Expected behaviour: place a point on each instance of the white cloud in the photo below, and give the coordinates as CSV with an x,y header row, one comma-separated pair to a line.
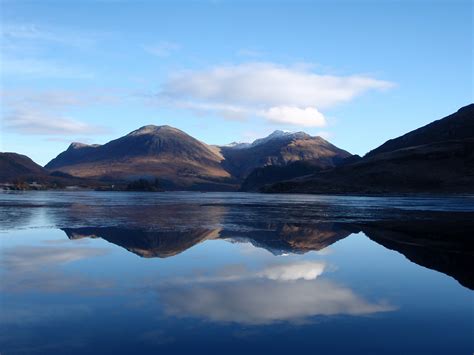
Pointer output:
x,y
263,301
308,116
162,49
304,270
292,95
307,270
277,293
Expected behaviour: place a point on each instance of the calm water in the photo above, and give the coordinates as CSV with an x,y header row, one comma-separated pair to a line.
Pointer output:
x,y
90,272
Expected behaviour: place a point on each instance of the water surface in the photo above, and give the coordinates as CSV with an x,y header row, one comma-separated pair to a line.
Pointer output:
x,y
90,272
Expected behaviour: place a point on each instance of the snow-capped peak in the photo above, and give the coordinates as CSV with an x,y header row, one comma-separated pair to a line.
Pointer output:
x,y
277,135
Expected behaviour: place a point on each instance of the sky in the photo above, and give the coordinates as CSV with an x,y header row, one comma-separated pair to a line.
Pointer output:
x,y
355,72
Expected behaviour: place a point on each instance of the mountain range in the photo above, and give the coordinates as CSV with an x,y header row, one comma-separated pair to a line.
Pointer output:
x,y
435,158
182,162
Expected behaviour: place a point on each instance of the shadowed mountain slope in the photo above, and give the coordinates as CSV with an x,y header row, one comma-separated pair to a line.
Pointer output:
x,y
280,149
457,126
15,166
437,158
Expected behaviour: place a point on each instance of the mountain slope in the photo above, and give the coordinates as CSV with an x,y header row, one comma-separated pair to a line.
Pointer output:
x,y
20,172
459,125
17,166
178,159
271,174
436,158
280,148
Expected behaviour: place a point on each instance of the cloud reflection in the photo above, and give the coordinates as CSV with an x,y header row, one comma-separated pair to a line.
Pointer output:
x,y
289,292
303,270
38,268
31,258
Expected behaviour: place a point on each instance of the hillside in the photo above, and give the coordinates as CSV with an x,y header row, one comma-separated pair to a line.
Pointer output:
x,y
179,160
17,166
437,158
280,149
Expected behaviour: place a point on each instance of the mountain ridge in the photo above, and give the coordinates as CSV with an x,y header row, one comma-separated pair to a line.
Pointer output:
x,y
182,161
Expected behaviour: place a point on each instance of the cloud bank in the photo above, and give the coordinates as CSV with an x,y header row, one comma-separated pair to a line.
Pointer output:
x,y
279,94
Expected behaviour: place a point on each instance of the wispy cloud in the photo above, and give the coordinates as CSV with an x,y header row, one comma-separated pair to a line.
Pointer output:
x,y
33,258
279,94
247,52
162,49
28,121
39,268
33,32
41,68
45,112
26,50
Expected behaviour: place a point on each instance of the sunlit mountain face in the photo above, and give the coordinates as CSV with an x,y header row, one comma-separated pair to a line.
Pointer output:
x,y
167,272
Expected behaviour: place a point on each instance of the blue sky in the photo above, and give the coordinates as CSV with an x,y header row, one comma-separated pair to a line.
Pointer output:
x,y
356,72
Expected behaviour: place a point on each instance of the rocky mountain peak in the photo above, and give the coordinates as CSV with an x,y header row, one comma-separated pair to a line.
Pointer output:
x,y
152,129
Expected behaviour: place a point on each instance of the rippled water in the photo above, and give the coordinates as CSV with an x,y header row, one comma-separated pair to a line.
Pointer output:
x,y
90,272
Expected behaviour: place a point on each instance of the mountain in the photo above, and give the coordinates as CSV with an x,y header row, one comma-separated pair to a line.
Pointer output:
x,y
279,149
19,172
179,160
16,166
436,158
457,126
182,162
261,178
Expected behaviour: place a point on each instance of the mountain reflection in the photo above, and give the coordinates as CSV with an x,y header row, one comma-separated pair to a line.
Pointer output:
x,y
146,243
442,244
280,239
289,237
